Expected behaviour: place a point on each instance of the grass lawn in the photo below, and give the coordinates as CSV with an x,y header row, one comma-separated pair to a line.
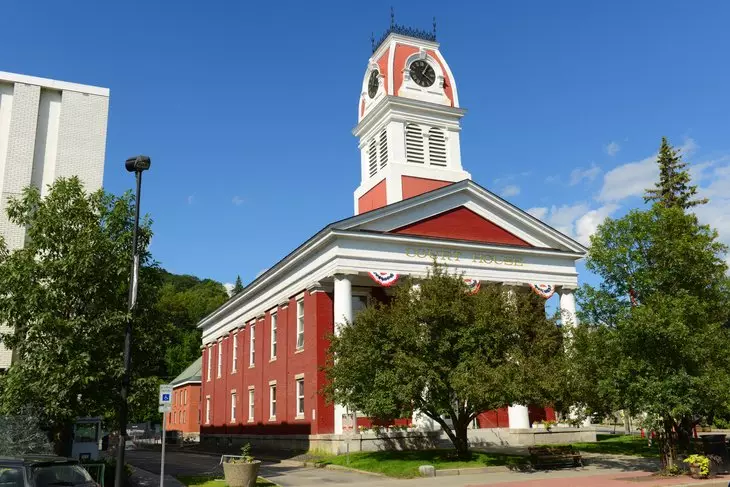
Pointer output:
x,y
620,445
404,464
202,481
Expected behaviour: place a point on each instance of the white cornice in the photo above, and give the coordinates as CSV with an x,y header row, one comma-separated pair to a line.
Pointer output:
x,y
53,84
402,104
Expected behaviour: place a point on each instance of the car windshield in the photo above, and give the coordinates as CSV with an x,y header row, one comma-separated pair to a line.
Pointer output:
x,y
59,475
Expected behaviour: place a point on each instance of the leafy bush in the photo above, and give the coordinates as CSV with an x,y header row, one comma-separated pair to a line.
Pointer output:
x,y
21,434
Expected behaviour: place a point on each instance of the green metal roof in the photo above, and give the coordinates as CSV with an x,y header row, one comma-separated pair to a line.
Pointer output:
x,y
191,374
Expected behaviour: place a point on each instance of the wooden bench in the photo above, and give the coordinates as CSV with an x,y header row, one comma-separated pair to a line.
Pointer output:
x,y
554,457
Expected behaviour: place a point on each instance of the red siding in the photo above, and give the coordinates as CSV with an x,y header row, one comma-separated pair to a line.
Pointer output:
x,y
185,407
413,186
496,418
461,224
373,199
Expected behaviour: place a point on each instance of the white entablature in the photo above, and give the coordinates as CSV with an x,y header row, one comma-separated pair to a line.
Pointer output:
x,y
367,242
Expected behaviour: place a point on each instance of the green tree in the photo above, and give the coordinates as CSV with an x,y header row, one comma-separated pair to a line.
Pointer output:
x,y
65,297
238,287
445,352
673,187
653,337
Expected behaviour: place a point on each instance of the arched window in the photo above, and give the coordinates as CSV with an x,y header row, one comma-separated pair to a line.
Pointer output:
x,y
383,149
436,147
372,158
414,144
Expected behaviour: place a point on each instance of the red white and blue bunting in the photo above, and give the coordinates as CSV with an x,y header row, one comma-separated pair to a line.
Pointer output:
x,y
543,290
473,285
385,279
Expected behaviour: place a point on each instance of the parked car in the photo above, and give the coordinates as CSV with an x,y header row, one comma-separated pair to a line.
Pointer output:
x,y
43,471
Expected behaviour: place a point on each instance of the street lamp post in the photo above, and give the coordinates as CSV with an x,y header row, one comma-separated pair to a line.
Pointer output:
x,y
136,165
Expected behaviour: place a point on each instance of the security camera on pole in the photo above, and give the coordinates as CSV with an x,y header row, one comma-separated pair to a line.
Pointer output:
x,y
136,165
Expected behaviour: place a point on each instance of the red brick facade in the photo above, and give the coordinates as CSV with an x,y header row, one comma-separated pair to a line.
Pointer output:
x,y
291,364
184,416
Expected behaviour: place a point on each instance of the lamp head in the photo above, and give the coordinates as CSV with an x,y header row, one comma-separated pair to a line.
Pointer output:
x,y
138,163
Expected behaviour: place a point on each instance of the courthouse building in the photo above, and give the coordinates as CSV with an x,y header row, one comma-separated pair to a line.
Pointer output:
x,y
263,350
48,129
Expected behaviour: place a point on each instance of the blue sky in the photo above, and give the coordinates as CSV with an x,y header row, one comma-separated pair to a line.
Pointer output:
x,y
246,108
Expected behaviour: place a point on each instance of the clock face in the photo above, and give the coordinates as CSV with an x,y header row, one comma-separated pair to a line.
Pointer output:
x,y
422,73
373,84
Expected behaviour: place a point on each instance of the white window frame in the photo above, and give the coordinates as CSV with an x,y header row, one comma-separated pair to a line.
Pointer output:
x,y
210,362
300,324
234,359
272,401
251,404
300,397
220,359
274,330
207,409
233,406
252,345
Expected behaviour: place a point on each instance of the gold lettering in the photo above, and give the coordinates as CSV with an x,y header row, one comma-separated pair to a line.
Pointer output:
x,y
424,251
496,261
410,252
519,262
457,254
475,257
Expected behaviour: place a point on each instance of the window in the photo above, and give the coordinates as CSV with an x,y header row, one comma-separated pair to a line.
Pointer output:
x,y
272,401
372,157
207,410
252,346
234,360
274,323
436,147
383,148
220,358
233,406
250,404
414,144
300,324
185,397
300,397
174,417
210,358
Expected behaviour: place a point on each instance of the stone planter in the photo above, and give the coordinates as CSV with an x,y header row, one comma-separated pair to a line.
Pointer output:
x,y
694,472
241,474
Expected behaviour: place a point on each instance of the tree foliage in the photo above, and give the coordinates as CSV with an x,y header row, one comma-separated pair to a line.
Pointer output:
x,y
21,434
65,297
654,334
445,352
238,287
673,187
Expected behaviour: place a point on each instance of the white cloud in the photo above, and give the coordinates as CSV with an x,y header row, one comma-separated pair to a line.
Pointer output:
x,y
262,271
510,190
191,198
538,212
612,148
634,178
237,200
229,288
587,224
579,174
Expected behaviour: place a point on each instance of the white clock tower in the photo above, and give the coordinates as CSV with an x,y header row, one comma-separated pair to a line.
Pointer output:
x,y
408,121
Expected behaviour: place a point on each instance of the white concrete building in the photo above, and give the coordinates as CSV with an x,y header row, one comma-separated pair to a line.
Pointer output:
x,y
48,129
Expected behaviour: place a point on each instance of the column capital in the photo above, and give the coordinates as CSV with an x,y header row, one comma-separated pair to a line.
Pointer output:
x,y
568,288
316,287
345,273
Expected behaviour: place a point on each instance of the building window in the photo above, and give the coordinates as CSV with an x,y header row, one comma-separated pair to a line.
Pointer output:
x,y
300,324
233,406
210,359
234,360
383,149
185,397
220,359
300,398
252,346
372,157
436,147
274,324
272,401
207,410
414,144
250,405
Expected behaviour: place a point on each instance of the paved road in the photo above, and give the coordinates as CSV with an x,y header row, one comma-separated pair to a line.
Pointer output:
x,y
178,463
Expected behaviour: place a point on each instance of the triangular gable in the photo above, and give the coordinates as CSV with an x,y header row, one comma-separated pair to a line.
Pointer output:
x,y
462,211
461,224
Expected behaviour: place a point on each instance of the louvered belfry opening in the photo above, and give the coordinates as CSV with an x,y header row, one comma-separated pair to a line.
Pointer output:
x,y
436,147
414,144
383,149
372,158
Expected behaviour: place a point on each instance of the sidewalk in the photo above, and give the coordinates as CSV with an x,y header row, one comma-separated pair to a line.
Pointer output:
x,y
143,478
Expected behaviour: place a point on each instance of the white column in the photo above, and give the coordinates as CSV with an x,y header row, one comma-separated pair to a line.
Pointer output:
x,y
518,417
343,315
567,307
